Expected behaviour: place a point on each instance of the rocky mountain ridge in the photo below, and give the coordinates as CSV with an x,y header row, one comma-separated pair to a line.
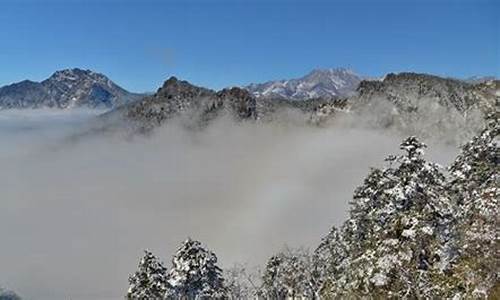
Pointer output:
x,y
411,103
66,89
324,83
198,105
427,105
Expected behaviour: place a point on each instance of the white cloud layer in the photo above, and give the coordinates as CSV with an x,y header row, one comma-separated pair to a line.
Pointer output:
x,y
74,217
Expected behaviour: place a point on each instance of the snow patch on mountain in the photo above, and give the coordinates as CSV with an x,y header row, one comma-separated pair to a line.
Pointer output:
x,y
327,83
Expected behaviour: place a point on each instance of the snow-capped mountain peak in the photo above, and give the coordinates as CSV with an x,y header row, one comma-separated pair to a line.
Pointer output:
x,y
66,88
326,83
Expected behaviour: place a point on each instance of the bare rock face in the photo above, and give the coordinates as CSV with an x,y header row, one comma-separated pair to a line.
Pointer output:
x,y
239,102
65,89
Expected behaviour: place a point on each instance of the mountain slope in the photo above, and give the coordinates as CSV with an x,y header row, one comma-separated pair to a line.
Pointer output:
x,y
178,97
66,89
408,89
409,103
198,106
326,83
426,105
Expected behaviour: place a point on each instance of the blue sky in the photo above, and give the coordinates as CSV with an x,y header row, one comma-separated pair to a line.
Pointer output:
x,y
214,43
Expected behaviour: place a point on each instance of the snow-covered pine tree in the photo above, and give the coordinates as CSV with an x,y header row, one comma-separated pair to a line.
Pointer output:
x,y
398,230
288,275
149,282
329,260
475,184
195,274
240,283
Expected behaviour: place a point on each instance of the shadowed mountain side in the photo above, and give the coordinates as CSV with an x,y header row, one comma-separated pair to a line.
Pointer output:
x,y
65,89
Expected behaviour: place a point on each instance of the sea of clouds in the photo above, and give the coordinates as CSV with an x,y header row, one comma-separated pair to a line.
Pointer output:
x,y
75,214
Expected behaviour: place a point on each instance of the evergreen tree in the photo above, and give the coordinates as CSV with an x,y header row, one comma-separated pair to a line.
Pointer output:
x,y
195,274
149,281
397,234
329,261
411,234
475,184
288,276
240,283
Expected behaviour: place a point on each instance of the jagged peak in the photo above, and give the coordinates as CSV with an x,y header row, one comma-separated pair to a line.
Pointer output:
x,y
331,82
338,70
174,81
171,80
66,88
72,71
73,74
175,87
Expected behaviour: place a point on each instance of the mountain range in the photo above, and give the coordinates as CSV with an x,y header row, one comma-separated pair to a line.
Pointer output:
x,y
411,103
319,83
73,88
66,89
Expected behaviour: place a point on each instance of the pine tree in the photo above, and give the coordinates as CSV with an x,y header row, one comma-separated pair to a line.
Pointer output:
x,y
476,167
397,234
411,233
475,184
329,261
149,281
288,275
240,283
195,274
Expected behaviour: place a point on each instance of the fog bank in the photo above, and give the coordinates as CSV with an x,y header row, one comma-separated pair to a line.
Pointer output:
x,y
75,217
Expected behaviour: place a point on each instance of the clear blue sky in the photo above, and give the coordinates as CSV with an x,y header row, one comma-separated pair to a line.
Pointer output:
x,y
214,43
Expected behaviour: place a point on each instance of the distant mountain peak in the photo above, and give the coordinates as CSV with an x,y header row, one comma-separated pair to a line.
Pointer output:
x,y
319,83
175,88
171,80
179,96
76,74
67,88
339,70
72,71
